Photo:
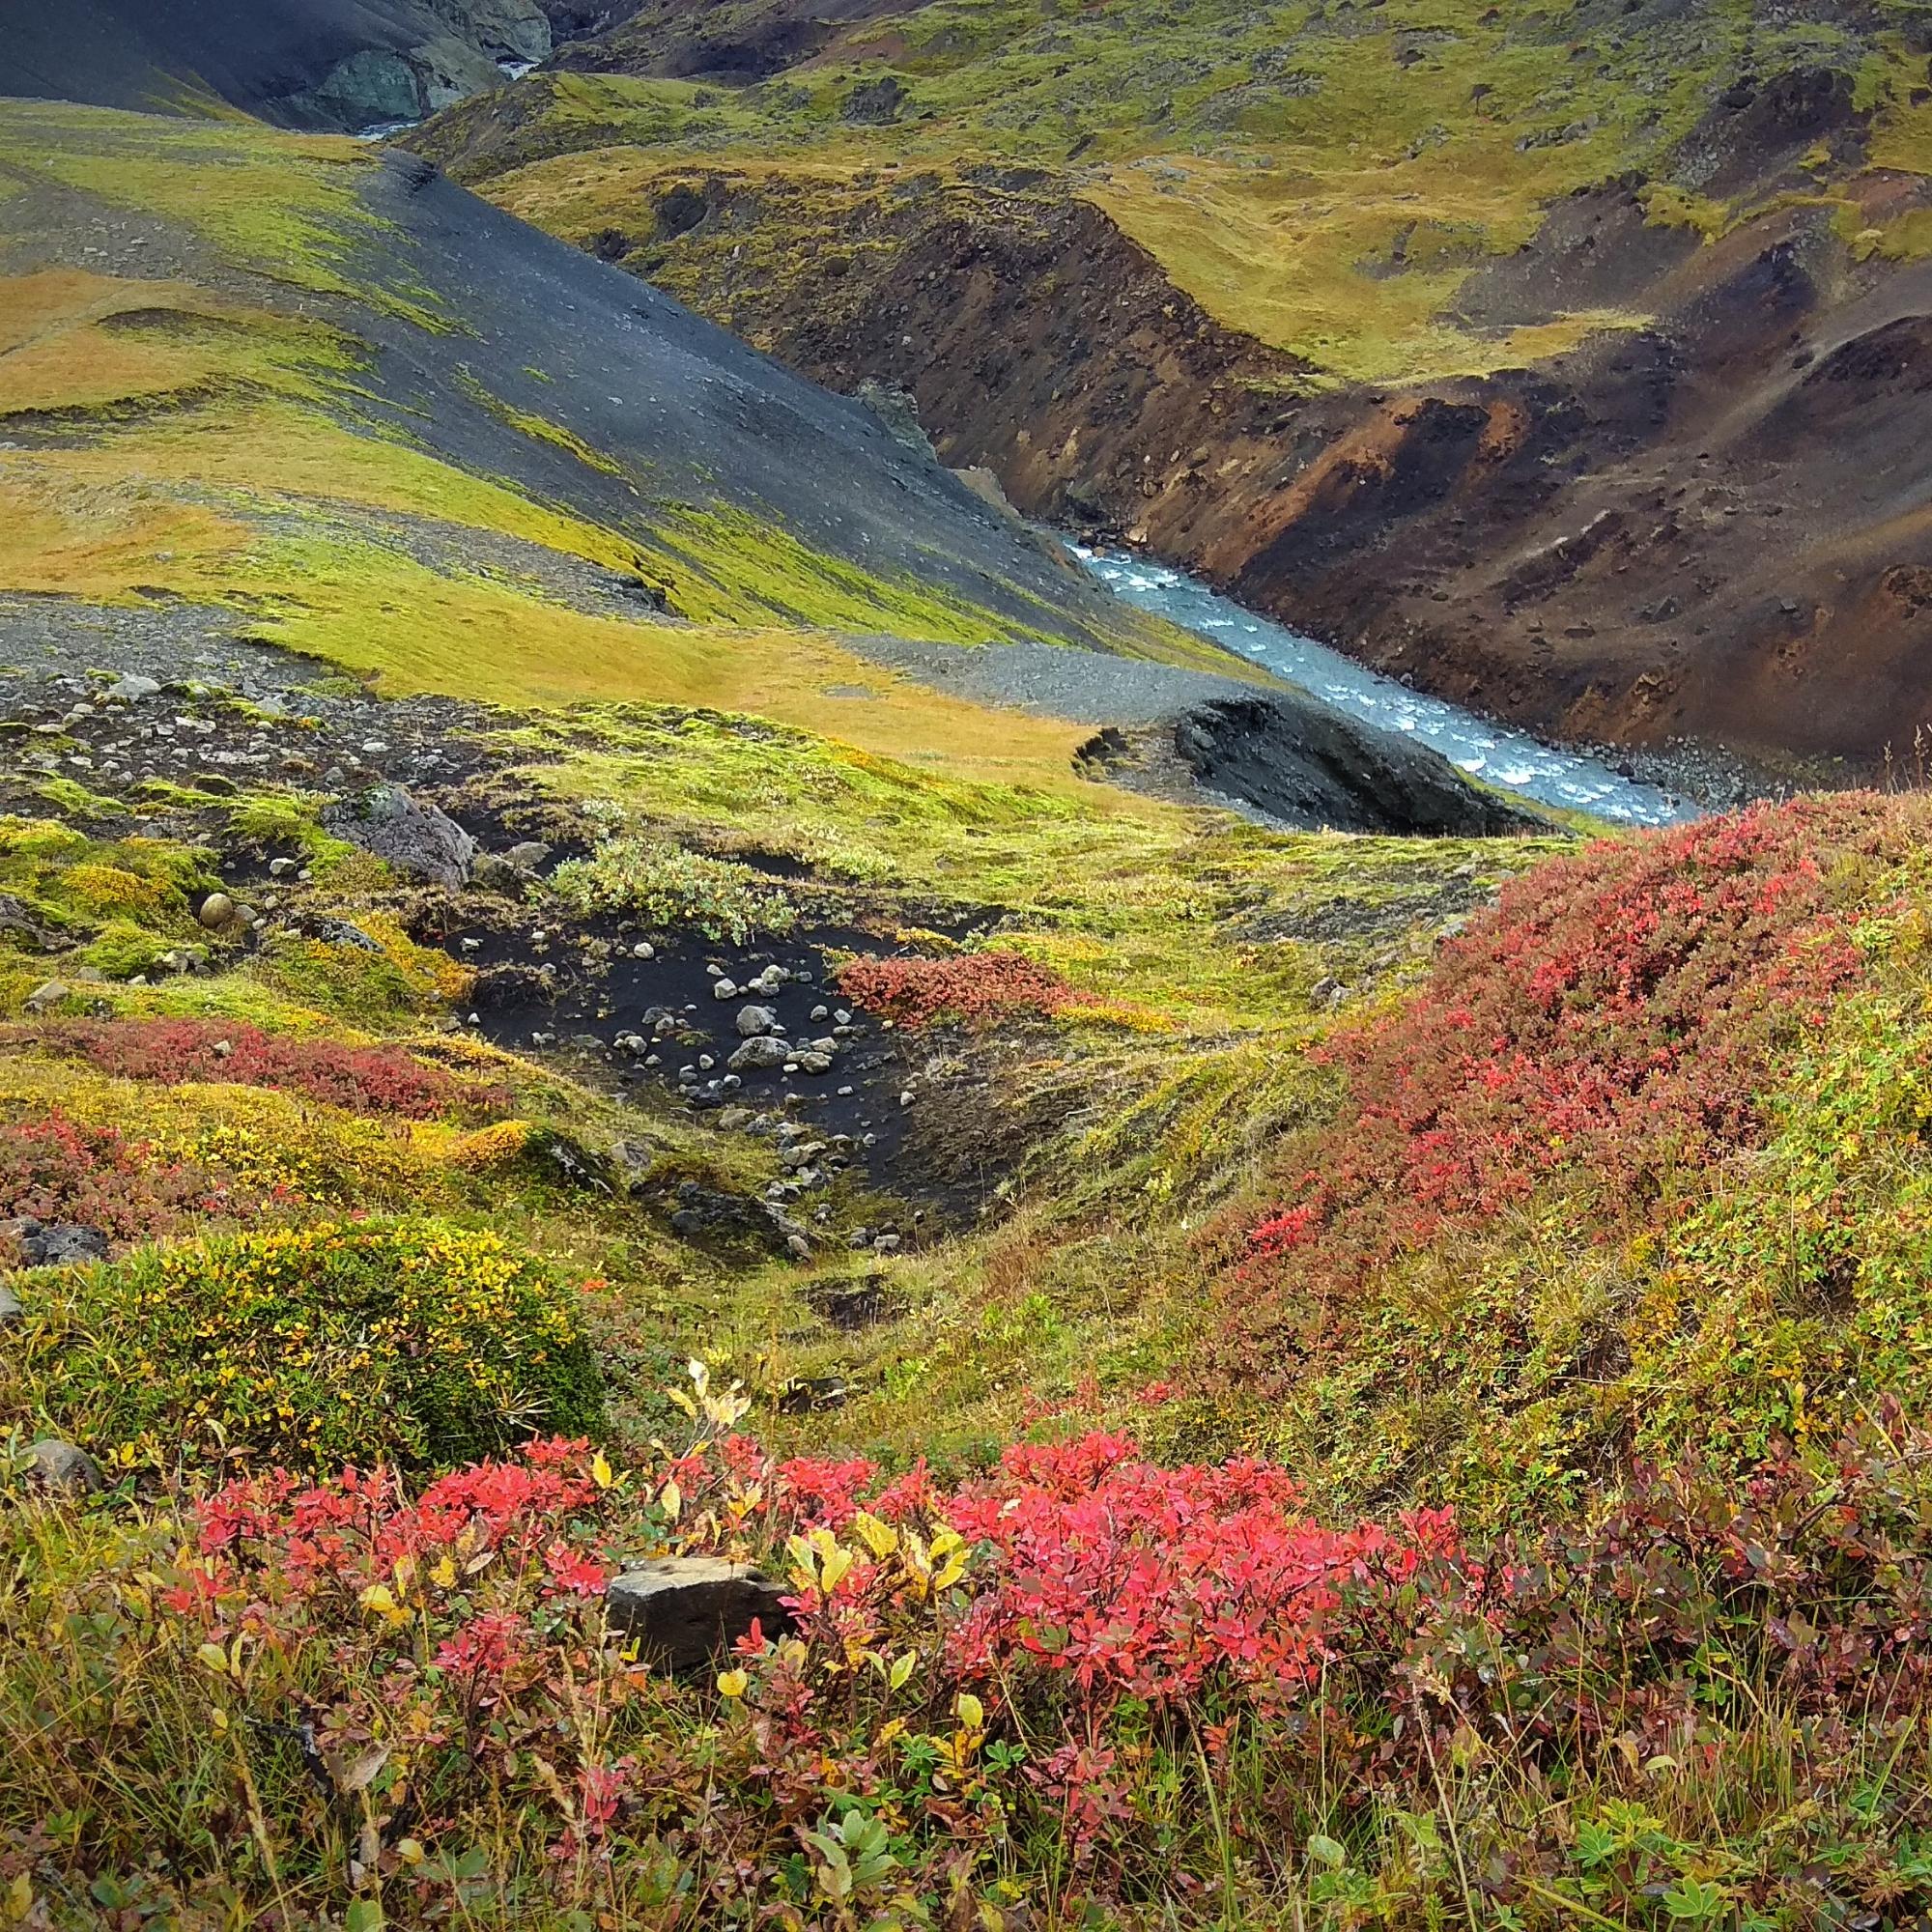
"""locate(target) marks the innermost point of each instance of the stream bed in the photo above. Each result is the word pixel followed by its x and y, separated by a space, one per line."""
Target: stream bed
pixel 1494 754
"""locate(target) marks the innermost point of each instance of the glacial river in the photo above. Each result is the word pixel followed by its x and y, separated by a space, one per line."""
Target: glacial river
pixel 1492 753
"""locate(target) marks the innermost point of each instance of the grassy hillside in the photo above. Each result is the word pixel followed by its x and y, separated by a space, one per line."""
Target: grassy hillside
pixel 1285 1378
pixel 1323 181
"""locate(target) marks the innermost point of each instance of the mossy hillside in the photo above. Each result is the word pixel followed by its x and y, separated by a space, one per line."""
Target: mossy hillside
pixel 1323 181
pixel 238 455
pixel 288 207
pixel 1177 912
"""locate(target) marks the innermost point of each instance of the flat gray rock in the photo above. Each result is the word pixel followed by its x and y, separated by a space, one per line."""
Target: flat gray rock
pixel 685 1610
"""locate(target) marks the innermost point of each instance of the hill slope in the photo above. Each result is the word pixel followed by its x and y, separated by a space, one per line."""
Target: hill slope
pixel 1564 360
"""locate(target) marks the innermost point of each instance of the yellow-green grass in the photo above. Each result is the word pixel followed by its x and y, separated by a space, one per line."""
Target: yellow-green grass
pixel 288 206
pixel 71 341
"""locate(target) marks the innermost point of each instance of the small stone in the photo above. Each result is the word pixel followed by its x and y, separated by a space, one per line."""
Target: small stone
pixel 886 1244
pixel 799 1246
pixel 61 1470
pixel 819 1014
pixel 685 1610
pixel 907 1097
pixel 644 949
pixel 843 1017
pixel 754 1020
pixel 723 990
pixel 472 945
pixel 132 687
pixel 10 1306
pixel 705 1060
pixel 761 1054
pixel 48 993
pixel 280 869
pixel 217 909
pixel 814 1062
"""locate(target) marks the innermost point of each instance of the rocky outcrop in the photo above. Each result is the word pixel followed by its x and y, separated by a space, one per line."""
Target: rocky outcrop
pixel 324 64
pixel 1308 765
pixel 419 839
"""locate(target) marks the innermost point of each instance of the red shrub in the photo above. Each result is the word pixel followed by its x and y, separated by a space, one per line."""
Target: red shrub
pixel 362 1079
pixel 1027 1632
pixel 58 1171
pixel 1614 1020
pixel 975 987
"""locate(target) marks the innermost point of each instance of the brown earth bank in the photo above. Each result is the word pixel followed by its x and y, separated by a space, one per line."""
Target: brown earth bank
pixel 1713 523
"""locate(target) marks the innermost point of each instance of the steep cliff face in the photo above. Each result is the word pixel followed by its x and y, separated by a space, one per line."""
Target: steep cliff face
pixel 321 64
pixel 1582 376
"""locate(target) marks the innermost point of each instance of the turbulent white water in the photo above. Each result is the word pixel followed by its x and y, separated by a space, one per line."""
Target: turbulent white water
pixel 1492 753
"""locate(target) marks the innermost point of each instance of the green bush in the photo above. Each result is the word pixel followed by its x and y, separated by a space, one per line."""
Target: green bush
pixel 408 1342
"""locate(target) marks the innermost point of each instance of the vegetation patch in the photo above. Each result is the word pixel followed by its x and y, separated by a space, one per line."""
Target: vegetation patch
pixel 405 1342
pixel 358 1079
pixel 977 988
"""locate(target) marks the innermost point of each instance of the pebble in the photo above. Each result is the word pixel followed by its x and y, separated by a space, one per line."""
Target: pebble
pixel 644 949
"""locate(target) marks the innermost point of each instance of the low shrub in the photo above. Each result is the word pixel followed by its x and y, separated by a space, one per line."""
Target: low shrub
pixel 1073 1689
pixel 411 1342
pixel 976 988
pixel 56 1169
pixel 667 886
pixel 362 1079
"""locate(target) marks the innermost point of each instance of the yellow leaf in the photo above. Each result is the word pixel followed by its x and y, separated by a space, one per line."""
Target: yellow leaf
pixel 443 1576
pixel 20 1898
pixel 969 1709
pixel 833 1565
pixel 410 1851
pixel 672 1500
pixel 379 1598
pixel 214 1657
pixel 733 1682
pixel 902 1669
pixel 880 1538
pixel 217 1719
pixel 600 1470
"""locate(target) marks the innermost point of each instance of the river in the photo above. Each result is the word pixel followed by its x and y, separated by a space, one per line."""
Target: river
pixel 1495 754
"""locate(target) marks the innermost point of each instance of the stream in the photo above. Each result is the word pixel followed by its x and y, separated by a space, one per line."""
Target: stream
pixel 1498 756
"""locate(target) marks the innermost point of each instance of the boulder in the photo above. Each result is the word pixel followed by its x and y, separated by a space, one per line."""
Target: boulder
pixel 48 993
pixel 56 1245
pixel 217 910
pixel 134 688
pixel 492 873
pixel 761 1054
pixel 528 854
pixel 61 1469
pixel 340 932
pixel 10 1306
pixel 756 1020
pixel 683 1611
pixel 419 839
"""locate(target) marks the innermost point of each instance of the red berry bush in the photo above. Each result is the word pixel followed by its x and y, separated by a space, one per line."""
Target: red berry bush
pixel 362 1079
pixel 1613 1024
pixel 1076 1688
pixel 975 988
pixel 54 1169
